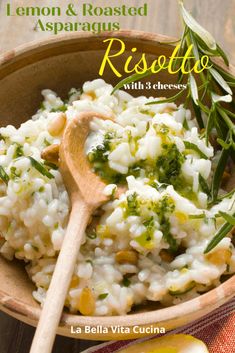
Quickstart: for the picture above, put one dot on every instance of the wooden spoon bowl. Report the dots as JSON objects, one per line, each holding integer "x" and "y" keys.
{"x": 75, "y": 166}
{"x": 59, "y": 64}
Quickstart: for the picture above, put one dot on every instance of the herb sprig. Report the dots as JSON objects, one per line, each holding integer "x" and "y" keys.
{"x": 211, "y": 97}
{"x": 40, "y": 168}
{"x": 222, "y": 232}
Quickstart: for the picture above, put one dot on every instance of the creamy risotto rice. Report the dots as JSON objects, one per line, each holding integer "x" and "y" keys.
{"x": 149, "y": 243}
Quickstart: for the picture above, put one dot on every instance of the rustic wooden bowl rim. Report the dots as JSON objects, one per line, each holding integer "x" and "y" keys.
{"x": 212, "y": 299}
{"x": 60, "y": 38}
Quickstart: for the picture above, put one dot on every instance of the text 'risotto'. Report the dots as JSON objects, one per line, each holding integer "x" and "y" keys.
{"x": 146, "y": 245}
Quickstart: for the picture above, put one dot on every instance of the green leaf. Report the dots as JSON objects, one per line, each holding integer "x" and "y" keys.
{"x": 223, "y": 143}
{"x": 217, "y": 177}
{"x": 130, "y": 79}
{"x": 221, "y": 127}
{"x": 204, "y": 186}
{"x": 168, "y": 237}
{"x": 229, "y": 113}
{"x": 3, "y": 175}
{"x": 221, "y": 233}
{"x": 193, "y": 88}
{"x": 198, "y": 115}
{"x": 103, "y": 296}
{"x": 197, "y": 28}
{"x": 167, "y": 100}
{"x": 222, "y": 54}
{"x": 231, "y": 84}
{"x": 216, "y": 98}
{"x": 228, "y": 218}
{"x": 203, "y": 107}
{"x": 40, "y": 168}
{"x": 226, "y": 119}
{"x": 228, "y": 194}
{"x": 219, "y": 79}
{"x": 192, "y": 146}
{"x": 226, "y": 75}
{"x": 185, "y": 124}
{"x": 204, "y": 49}
{"x": 209, "y": 125}
{"x": 195, "y": 47}
{"x": 181, "y": 50}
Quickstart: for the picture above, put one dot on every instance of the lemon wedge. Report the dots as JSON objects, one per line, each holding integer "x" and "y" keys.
{"x": 169, "y": 344}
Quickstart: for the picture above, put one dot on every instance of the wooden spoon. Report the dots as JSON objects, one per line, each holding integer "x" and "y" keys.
{"x": 86, "y": 194}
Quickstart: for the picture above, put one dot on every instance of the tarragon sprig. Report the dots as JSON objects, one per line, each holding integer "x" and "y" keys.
{"x": 210, "y": 94}
{"x": 222, "y": 232}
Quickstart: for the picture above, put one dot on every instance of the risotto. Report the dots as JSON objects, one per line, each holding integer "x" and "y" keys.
{"x": 146, "y": 245}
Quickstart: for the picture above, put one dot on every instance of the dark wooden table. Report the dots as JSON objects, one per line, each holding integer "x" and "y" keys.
{"x": 216, "y": 15}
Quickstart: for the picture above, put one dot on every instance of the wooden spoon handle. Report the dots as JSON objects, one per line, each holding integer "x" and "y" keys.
{"x": 54, "y": 303}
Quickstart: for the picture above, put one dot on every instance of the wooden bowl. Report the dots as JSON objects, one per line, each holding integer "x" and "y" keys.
{"x": 59, "y": 64}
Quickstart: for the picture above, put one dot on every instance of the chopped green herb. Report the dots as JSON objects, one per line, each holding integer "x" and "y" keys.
{"x": 40, "y": 168}
{"x": 164, "y": 208}
{"x": 62, "y": 108}
{"x": 92, "y": 235}
{"x": 148, "y": 235}
{"x": 46, "y": 143}
{"x": 112, "y": 196}
{"x": 197, "y": 216}
{"x": 103, "y": 296}
{"x": 184, "y": 291}
{"x": 161, "y": 129}
{"x": 132, "y": 205}
{"x": 149, "y": 223}
{"x": 185, "y": 124}
{"x": 42, "y": 106}
{"x": 126, "y": 282}
{"x": 169, "y": 165}
{"x": 3, "y": 175}
{"x": 56, "y": 226}
{"x": 165, "y": 228}
{"x": 147, "y": 126}
{"x": 73, "y": 91}
{"x": 3, "y": 138}
{"x": 192, "y": 146}
{"x": 18, "y": 151}
{"x": 98, "y": 154}
{"x": 14, "y": 174}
